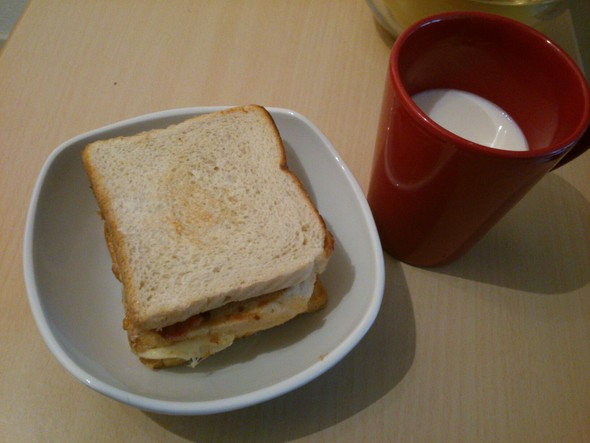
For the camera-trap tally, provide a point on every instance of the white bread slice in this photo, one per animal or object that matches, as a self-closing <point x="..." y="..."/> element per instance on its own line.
<point x="204" y="213"/>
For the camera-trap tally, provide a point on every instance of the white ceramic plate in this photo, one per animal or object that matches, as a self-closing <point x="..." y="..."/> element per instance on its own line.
<point x="76" y="301"/>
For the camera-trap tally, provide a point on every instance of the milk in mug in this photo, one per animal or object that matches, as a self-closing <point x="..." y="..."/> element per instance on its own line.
<point x="472" y="117"/>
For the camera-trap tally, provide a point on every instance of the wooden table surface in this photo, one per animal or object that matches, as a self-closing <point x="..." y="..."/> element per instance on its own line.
<point x="492" y="348"/>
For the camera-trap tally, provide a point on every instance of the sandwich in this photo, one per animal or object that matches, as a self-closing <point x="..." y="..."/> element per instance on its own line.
<point x="211" y="235"/>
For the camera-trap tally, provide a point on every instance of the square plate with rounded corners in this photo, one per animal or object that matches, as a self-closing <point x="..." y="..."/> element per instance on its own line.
<point x="76" y="300"/>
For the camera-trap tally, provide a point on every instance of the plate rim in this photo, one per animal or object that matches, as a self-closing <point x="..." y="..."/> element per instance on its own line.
<point x="175" y="407"/>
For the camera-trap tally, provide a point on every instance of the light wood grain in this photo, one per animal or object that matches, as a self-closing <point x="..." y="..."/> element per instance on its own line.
<point x="494" y="347"/>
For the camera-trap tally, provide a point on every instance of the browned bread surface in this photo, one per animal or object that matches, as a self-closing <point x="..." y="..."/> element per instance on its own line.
<point x="204" y="213"/>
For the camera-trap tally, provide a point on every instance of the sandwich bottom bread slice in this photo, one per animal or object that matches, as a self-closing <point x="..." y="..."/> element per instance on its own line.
<point x="211" y="235"/>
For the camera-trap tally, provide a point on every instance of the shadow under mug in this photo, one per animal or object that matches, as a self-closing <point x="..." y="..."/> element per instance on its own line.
<point x="434" y="194"/>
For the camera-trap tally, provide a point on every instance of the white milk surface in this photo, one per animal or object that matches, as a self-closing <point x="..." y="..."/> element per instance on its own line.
<point x="472" y="117"/>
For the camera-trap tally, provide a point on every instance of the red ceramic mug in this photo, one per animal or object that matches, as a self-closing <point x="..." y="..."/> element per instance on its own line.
<point x="434" y="194"/>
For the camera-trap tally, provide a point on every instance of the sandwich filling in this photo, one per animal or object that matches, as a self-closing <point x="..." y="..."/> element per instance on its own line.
<point x="202" y="335"/>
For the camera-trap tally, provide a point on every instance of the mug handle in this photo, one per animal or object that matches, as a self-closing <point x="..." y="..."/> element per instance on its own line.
<point x="582" y="145"/>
